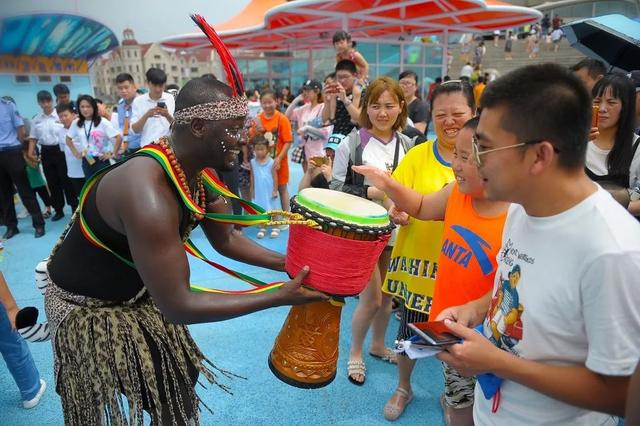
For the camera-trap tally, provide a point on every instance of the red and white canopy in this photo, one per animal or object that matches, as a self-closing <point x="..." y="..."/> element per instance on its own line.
<point x="308" y="24"/>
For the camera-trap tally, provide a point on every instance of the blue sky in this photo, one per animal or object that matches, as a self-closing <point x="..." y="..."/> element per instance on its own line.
<point x="151" y="20"/>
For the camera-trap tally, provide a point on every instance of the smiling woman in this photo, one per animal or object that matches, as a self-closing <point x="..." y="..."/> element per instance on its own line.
<point x="377" y="143"/>
<point x="425" y="169"/>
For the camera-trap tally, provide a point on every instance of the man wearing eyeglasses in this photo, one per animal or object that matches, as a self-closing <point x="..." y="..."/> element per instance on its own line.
<point x="566" y="354"/>
<point x="343" y="99"/>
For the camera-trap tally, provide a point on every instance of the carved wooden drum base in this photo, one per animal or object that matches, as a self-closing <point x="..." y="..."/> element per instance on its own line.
<point x="305" y="353"/>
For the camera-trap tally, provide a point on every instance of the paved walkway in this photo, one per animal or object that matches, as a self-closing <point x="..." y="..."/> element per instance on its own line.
<point x="240" y="345"/>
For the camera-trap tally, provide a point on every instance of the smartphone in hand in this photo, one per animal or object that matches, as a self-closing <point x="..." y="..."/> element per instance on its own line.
<point x="319" y="161"/>
<point x="595" y="110"/>
<point x="162" y="105"/>
<point x="435" y="333"/>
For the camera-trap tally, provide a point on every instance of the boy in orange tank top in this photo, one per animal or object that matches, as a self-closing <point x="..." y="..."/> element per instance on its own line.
<point x="467" y="263"/>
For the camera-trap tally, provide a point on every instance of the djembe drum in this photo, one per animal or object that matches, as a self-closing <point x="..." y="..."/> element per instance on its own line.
<point x="341" y="256"/>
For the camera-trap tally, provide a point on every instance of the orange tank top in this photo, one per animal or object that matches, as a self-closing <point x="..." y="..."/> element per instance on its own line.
<point x="467" y="261"/>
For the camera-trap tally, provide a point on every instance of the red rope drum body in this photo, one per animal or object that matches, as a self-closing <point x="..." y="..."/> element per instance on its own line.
<point x="338" y="266"/>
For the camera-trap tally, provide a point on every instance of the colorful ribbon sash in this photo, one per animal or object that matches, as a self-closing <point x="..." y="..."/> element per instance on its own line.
<point x="257" y="215"/>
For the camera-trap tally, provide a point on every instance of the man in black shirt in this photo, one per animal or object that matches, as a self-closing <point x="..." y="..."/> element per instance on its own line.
<point x="343" y="96"/>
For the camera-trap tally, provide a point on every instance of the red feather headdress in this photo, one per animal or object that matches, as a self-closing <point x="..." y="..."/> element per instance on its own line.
<point x="234" y="76"/>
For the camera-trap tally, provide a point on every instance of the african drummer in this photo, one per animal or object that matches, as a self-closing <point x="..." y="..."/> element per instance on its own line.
<point x="118" y="314"/>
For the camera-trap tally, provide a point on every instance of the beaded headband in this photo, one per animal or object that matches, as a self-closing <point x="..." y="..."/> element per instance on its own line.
<point x="221" y="110"/>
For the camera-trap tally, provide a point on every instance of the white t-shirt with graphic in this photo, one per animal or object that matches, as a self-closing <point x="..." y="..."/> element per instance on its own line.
<point x="566" y="292"/>
<point x="95" y="139"/>
<point x="379" y="154"/>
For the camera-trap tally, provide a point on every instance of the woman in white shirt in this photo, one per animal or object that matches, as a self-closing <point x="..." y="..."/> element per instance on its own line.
<point x="96" y="136"/>
<point x="309" y="118"/>
<point x="613" y="158"/>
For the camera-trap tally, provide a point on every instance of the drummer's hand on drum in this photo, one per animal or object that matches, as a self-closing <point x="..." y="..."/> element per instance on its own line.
<point x="398" y="216"/>
<point x="377" y="177"/>
<point x="292" y="292"/>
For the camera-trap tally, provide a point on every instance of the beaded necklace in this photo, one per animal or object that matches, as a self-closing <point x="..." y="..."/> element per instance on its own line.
<point x="165" y="147"/>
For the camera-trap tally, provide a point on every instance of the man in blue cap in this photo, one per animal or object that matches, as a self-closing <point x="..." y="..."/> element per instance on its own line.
<point x="318" y="173"/>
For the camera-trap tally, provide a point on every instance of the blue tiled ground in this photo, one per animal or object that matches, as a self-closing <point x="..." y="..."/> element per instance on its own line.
<point x="240" y="345"/>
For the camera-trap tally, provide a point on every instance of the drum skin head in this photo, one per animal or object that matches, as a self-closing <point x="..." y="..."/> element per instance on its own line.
<point x="344" y="207"/>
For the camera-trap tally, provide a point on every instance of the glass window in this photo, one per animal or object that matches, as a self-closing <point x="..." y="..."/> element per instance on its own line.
<point x="429" y="76"/>
<point x="156" y="56"/>
<point x="22" y="79"/>
<point x="280" y="68"/>
<point x="368" y="50"/>
<point x="194" y="69"/>
<point x="297" y="82"/>
<point x="433" y="55"/>
<point x="389" y="70"/>
<point x="388" y="53"/>
<point x="300" y="67"/>
<point x="174" y="68"/>
<point x="244" y="68"/>
<point x="413" y="54"/>
<point x="324" y="62"/>
<point x="621" y="7"/>
<point x="256" y="83"/>
<point x="258" y="66"/>
<point x="279" y="83"/>
<point x="44" y="79"/>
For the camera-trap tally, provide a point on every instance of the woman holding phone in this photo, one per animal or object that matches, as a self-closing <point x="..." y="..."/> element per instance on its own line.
<point x="613" y="157"/>
<point x="309" y="120"/>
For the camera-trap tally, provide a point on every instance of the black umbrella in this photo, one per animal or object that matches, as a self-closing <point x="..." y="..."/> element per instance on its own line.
<point x="615" y="39"/>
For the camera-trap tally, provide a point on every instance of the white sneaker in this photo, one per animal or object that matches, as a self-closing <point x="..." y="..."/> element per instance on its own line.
<point x="36" y="399"/>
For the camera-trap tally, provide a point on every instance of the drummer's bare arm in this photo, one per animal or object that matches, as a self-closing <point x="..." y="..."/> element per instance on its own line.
<point x="235" y="245"/>
<point x="165" y="272"/>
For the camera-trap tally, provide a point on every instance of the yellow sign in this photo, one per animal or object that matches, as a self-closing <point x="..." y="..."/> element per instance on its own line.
<point x="11" y="64"/>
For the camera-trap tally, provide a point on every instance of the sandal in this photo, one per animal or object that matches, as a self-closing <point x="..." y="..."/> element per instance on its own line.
<point x="261" y="233"/>
<point x="389" y="356"/>
<point x="46" y="214"/>
<point x="392" y="411"/>
<point x="354" y="368"/>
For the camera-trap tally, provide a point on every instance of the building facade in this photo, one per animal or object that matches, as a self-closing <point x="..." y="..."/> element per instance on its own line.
<point x="135" y="58"/>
